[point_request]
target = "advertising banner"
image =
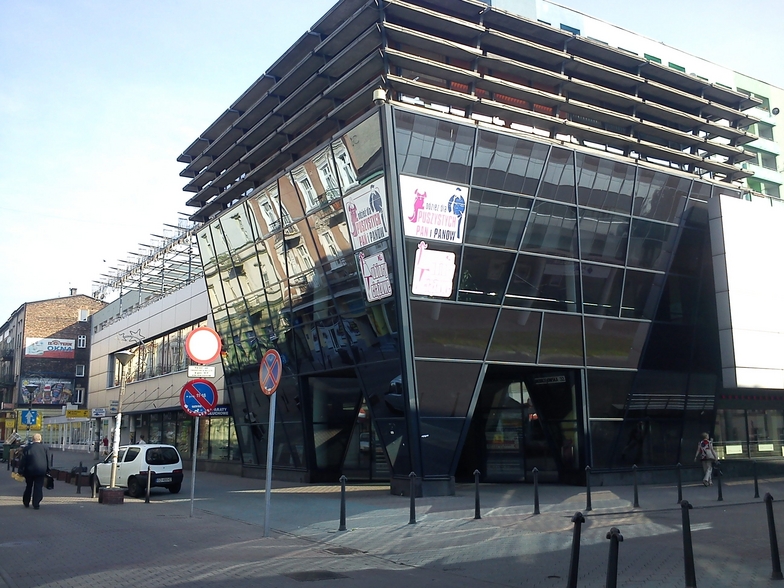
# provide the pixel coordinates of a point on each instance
(434, 272)
(366, 213)
(375, 276)
(59, 348)
(433, 210)
(49, 391)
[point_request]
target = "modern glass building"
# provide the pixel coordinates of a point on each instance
(478, 242)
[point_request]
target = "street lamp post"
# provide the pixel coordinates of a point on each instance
(31, 388)
(123, 357)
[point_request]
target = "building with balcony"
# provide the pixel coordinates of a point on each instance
(480, 239)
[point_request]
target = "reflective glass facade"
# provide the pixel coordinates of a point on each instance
(447, 297)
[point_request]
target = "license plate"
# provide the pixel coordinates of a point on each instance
(164, 480)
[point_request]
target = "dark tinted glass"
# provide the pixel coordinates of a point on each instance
(679, 300)
(445, 388)
(651, 244)
(508, 163)
(558, 179)
(696, 214)
(614, 343)
(669, 347)
(604, 184)
(440, 438)
(484, 275)
(433, 148)
(604, 438)
(603, 236)
(549, 284)
(660, 196)
(700, 191)
(641, 294)
(358, 153)
(693, 247)
(607, 392)
(552, 228)
(602, 289)
(451, 330)
(384, 397)
(562, 340)
(516, 336)
(496, 219)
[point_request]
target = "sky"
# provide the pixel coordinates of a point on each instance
(98, 98)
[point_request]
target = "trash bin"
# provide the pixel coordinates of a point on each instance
(6, 452)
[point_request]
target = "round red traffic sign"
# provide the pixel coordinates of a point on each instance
(198, 397)
(203, 345)
(270, 371)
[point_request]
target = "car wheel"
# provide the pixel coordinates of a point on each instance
(175, 488)
(134, 488)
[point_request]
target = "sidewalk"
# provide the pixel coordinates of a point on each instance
(74, 541)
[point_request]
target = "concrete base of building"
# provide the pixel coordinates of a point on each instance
(111, 495)
(298, 476)
(423, 486)
(215, 467)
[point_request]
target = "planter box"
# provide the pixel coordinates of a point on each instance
(111, 495)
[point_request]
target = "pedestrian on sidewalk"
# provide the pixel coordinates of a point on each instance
(106, 445)
(34, 466)
(707, 455)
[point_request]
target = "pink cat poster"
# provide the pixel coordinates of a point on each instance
(433, 210)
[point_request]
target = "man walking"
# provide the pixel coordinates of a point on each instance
(34, 467)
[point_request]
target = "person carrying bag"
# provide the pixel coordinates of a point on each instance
(34, 466)
(707, 455)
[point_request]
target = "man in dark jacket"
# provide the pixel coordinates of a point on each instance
(34, 467)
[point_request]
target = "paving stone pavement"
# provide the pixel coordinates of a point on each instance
(73, 541)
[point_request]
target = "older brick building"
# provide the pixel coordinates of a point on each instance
(45, 344)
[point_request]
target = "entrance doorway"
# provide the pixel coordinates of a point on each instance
(525, 418)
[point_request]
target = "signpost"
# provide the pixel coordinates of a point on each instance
(270, 372)
(203, 345)
(197, 398)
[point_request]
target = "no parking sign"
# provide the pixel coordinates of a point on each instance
(198, 397)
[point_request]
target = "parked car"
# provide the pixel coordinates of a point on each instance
(164, 462)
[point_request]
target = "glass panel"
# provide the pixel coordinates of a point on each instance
(334, 407)
(602, 289)
(508, 163)
(516, 336)
(607, 392)
(731, 433)
(558, 180)
(693, 246)
(552, 228)
(660, 196)
(433, 148)
(604, 184)
(265, 206)
(289, 449)
(614, 343)
(439, 442)
(679, 300)
(291, 207)
(641, 294)
(696, 214)
(484, 275)
(603, 236)
(358, 154)
(539, 282)
(444, 388)
(651, 244)
(562, 340)
(496, 219)
(604, 437)
(669, 347)
(451, 330)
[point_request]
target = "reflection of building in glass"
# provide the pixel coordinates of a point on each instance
(506, 263)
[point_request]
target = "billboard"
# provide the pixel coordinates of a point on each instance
(433, 210)
(366, 213)
(49, 348)
(49, 391)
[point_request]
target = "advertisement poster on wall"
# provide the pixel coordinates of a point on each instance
(59, 348)
(366, 212)
(433, 210)
(49, 391)
(375, 276)
(434, 272)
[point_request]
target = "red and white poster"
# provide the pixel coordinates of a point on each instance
(366, 212)
(433, 210)
(375, 276)
(434, 272)
(60, 348)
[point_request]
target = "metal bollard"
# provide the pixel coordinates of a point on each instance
(578, 519)
(51, 460)
(636, 494)
(93, 484)
(774, 542)
(680, 484)
(412, 489)
(477, 514)
(717, 473)
(688, 551)
(588, 488)
(536, 490)
(756, 480)
(147, 494)
(342, 526)
(615, 537)
(79, 479)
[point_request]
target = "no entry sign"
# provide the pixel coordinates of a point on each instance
(270, 371)
(198, 397)
(203, 345)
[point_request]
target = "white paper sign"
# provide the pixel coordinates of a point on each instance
(366, 213)
(433, 210)
(375, 276)
(433, 272)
